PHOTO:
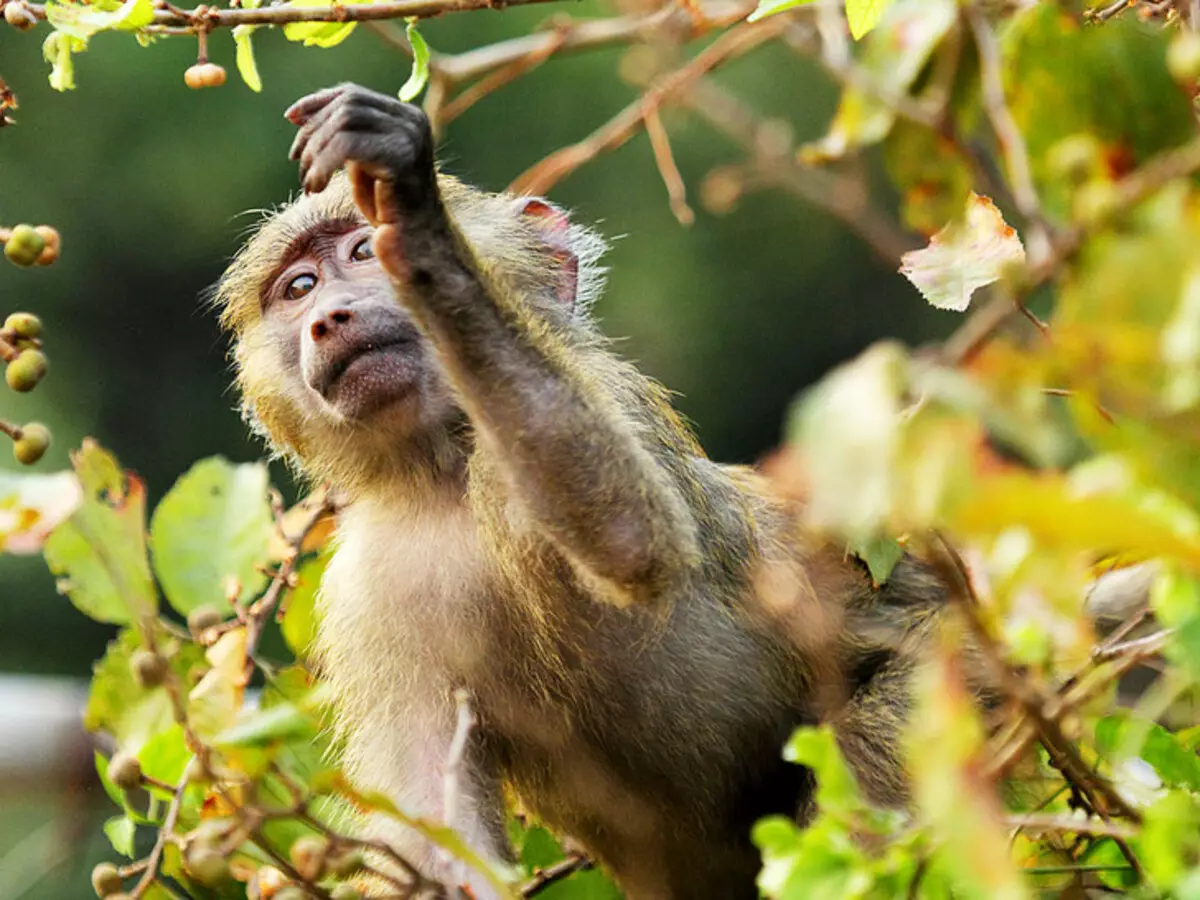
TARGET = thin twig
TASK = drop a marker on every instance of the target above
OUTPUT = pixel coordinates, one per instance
(206, 18)
(542, 176)
(661, 144)
(160, 842)
(565, 868)
(1047, 823)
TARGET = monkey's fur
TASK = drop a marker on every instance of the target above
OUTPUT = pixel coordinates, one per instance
(639, 628)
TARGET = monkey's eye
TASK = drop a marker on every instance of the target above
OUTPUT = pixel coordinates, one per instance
(362, 250)
(299, 286)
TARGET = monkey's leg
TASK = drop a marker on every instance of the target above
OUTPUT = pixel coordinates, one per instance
(571, 455)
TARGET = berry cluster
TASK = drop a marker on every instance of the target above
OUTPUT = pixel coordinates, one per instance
(21, 350)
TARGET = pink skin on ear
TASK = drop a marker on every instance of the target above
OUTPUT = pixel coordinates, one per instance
(553, 222)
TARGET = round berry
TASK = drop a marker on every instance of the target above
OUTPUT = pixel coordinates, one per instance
(25, 370)
(20, 18)
(308, 856)
(32, 444)
(24, 244)
(206, 864)
(204, 75)
(106, 880)
(203, 618)
(24, 325)
(125, 772)
(53, 245)
(148, 668)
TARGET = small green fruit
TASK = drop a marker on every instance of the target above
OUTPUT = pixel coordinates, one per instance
(32, 444)
(24, 325)
(24, 244)
(125, 772)
(204, 617)
(25, 370)
(53, 246)
(148, 668)
(206, 864)
(106, 880)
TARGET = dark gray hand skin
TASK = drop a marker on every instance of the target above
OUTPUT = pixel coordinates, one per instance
(639, 628)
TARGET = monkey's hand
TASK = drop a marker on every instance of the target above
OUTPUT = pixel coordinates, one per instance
(386, 146)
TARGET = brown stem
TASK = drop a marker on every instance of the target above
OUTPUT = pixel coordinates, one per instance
(544, 878)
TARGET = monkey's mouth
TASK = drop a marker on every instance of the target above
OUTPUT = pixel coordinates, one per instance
(354, 361)
(368, 377)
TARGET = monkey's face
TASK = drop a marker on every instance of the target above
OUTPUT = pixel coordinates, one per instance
(329, 363)
(355, 351)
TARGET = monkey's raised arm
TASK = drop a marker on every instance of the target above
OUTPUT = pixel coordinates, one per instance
(576, 463)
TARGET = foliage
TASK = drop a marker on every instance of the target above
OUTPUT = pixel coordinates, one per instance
(1050, 155)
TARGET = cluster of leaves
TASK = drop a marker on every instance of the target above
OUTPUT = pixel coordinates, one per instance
(1046, 456)
(220, 765)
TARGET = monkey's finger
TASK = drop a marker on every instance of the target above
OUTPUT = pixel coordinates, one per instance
(300, 111)
(373, 131)
(362, 186)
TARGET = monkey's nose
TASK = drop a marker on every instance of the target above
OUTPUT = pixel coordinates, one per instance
(330, 322)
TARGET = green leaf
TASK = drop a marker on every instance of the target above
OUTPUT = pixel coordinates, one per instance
(1170, 838)
(99, 554)
(120, 831)
(771, 7)
(246, 65)
(57, 50)
(420, 67)
(968, 253)
(165, 755)
(316, 34)
(864, 15)
(118, 705)
(1175, 763)
(83, 20)
(848, 429)
(881, 554)
(300, 619)
(817, 748)
(31, 506)
(213, 525)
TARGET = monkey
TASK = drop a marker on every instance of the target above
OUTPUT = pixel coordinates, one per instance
(639, 629)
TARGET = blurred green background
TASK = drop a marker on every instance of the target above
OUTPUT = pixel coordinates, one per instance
(148, 182)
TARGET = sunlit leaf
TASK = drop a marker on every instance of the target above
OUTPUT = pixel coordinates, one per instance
(817, 748)
(120, 831)
(213, 525)
(967, 254)
(99, 553)
(420, 64)
(848, 427)
(246, 65)
(31, 506)
(215, 701)
(880, 554)
(83, 20)
(299, 624)
(864, 15)
(317, 34)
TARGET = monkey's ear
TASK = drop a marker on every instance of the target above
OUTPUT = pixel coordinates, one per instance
(555, 227)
